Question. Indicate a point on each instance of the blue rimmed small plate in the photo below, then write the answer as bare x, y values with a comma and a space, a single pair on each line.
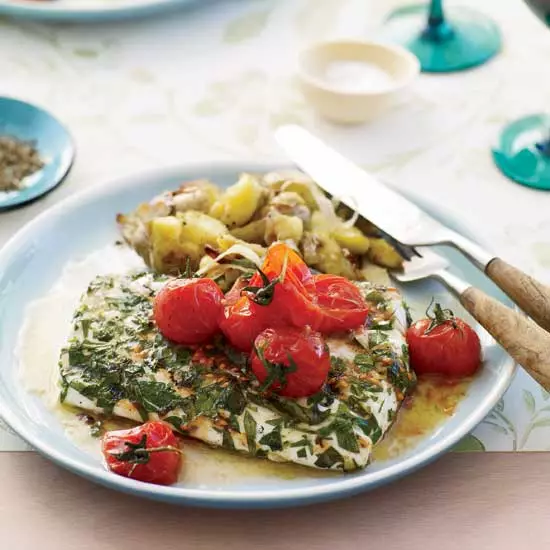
55, 146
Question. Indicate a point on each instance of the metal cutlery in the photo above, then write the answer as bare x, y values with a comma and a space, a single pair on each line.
403, 220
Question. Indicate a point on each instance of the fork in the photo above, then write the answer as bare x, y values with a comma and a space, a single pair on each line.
522, 338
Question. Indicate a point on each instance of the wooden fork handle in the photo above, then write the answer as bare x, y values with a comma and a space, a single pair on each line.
523, 339
530, 295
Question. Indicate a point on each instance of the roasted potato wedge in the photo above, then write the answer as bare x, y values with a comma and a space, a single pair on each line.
252, 232
322, 252
283, 228
352, 239
238, 204
176, 240
197, 195
200, 228
290, 203
382, 253
168, 254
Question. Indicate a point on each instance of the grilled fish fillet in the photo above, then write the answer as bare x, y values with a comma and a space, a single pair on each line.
117, 364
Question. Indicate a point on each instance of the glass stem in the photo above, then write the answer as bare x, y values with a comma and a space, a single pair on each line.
437, 29
435, 15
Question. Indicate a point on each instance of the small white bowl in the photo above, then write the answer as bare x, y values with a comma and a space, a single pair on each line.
376, 73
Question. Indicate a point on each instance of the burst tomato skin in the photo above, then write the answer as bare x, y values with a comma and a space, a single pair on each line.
341, 302
241, 322
297, 272
161, 468
307, 350
294, 299
234, 293
451, 349
187, 311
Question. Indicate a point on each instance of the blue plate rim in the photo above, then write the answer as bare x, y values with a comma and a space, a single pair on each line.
222, 498
38, 191
54, 13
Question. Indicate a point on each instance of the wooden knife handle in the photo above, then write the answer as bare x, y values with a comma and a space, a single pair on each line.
530, 295
523, 339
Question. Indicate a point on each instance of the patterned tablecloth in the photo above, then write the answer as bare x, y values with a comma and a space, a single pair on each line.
212, 83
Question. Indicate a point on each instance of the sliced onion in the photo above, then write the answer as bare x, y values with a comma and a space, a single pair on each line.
325, 205
238, 249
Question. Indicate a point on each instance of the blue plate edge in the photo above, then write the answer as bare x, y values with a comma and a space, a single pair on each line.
223, 498
91, 15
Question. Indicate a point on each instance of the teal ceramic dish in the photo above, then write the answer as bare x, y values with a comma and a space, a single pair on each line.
84, 11
42, 247
54, 143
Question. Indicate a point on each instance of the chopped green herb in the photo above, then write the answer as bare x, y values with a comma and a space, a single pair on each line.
377, 338
329, 458
250, 428
381, 325
277, 422
370, 427
273, 439
156, 397
337, 366
364, 361
375, 296
342, 428
227, 440
408, 316
234, 423
85, 324
276, 372
176, 421
304, 442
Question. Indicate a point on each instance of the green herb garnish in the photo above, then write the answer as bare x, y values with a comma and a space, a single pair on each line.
276, 372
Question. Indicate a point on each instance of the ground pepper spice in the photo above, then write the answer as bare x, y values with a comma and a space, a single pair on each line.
18, 160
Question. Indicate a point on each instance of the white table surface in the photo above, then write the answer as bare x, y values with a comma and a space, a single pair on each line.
212, 82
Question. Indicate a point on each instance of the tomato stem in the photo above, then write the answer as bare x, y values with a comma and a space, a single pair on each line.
263, 295
139, 453
187, 272
439, 316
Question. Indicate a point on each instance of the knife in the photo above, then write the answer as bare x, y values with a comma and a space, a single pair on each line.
402, 219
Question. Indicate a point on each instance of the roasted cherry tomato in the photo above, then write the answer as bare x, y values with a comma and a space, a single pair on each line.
286, 289
147, 453
280, 257
341, 302
241, 322
443, 344
290, 361
234, 293
187, 311
281, 294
